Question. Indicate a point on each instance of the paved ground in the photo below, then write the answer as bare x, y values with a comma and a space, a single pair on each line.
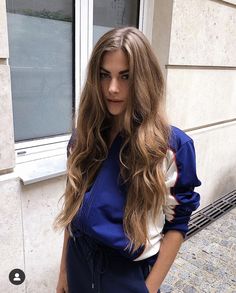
206, 261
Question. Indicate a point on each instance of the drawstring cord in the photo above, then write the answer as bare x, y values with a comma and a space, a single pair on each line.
98, 260
96, 257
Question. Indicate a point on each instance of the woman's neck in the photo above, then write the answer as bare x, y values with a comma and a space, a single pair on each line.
117, 124
113, 133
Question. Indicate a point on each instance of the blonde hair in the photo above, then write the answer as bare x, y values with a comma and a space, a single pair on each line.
145, 131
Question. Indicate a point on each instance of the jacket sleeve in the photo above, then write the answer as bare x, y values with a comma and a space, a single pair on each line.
181, 179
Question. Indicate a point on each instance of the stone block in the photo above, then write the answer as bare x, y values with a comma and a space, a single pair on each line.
215, 152
43, 247
161, 31
233, 2
203, 33
7, 155
198, 97
11, 237
4, 50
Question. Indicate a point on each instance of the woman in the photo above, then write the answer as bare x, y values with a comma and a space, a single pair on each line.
131, 176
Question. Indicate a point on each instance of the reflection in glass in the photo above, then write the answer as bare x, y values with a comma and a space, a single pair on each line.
40, 40
108, 14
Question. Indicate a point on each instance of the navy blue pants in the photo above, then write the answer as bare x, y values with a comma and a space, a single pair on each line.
91, 268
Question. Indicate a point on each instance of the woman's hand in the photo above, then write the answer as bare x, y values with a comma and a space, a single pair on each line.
62, 286
151, 289
169, 248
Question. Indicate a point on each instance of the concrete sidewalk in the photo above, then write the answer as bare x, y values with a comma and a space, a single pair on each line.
206, 261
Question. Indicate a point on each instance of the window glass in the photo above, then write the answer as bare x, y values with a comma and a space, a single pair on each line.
41, 58
108, 14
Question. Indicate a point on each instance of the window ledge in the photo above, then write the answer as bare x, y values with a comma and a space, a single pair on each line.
41, 169
41, 160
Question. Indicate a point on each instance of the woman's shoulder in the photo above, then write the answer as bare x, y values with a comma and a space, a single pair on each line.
178, 138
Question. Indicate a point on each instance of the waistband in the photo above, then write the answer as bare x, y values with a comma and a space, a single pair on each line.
98, 256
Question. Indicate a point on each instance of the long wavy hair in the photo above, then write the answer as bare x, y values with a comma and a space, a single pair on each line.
145, 132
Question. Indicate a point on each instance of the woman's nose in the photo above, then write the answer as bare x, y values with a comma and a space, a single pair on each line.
113, 86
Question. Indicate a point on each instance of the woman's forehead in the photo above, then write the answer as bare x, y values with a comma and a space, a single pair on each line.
115, 59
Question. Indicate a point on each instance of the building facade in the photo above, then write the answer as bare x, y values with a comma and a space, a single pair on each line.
195, 41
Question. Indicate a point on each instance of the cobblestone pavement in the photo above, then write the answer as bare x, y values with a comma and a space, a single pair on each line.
206, 261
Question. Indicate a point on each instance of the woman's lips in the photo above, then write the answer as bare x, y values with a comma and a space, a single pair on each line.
114, 101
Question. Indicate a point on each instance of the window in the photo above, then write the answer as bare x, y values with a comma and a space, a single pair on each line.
50, 44
41, 61
114, 13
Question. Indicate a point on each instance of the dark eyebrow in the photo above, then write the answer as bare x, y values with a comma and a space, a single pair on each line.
124, 71
121, 72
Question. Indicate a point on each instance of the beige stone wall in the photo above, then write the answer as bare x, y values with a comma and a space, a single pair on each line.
27, 241
11, 245
200, 65
6, 120
229, 1
216, 152
4, 52
42, 245
7, 156
161, 32
203, 32
198, 96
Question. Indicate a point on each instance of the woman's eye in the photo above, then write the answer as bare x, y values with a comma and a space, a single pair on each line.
104, 75
125, 76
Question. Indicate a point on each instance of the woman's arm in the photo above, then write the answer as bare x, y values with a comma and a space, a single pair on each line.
169, 248
64, 250
181, 201
62, 286
62, 281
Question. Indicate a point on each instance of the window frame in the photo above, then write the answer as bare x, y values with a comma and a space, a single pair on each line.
26, 145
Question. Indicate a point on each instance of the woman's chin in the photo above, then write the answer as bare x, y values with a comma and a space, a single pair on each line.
115, 112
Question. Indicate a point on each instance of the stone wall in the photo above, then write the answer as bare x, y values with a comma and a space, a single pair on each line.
199, 60
7, 158
27, 241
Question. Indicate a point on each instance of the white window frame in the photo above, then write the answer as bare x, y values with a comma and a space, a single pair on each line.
84, 32
42, 146
146, 14
44, 158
